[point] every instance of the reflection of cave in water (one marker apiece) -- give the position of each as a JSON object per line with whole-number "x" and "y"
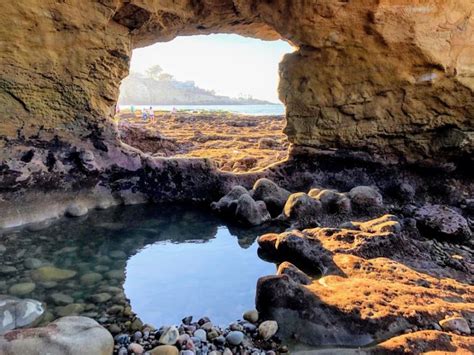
{"x": 184, "y": 250}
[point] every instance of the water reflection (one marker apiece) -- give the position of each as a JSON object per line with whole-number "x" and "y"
{"x": 174, "y": 262}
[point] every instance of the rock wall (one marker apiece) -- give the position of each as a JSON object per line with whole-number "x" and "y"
{"x": 392, "y": 78}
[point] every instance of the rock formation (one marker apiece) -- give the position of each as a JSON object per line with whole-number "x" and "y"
{"x": 381, "y": 79}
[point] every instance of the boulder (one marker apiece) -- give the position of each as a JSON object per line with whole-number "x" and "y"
{"x": 274, "y": 196}
{"x": 251, "y": 212}
{"x": 365, "y": 198}
{"x": 302, "y": 211}
{"x": 65, "y": 336}
{"x": 443, "y": 223}
{"x": 17, "y": 313}
{"x": 332, "y": 201}
{"x": 228, "y": 203}
{"x": 76, "y": 209}
{"x": 455, "y": 324}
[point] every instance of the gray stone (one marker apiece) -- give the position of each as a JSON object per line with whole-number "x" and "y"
{"x": 91, "y": 278}
{"x": 442, "y": 222}
{"x": 332, "y": 201}
{"x": 453, "y": 324}
{"x": 72, "y": 309}
{"x": 69, "y": 335}
{"x": 16, "y": 313}
{"x": 76, "y": 209}
{"x": 32, "y": 263}
{"x": 302, "y": 210}
{"x": 7, "y": 270}
{"x": 201, "y": 334}
{"x": 60, "y": 299}
{"x": 235, "y": 337}
{"x": 100, "y": 297}
{"x": 169, "y": 336}
{"x": 365, "y": 197}
{"x": 274, "y": 196}
{"x": 228, "y": 203}
{"x": 251, "y": 212}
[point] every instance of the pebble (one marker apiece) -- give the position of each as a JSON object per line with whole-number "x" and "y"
{"x": 164, "y": 350}
{"x": 235, "y": 337}
{"x": 207, "y": 326}
{"x": 251, "y": 316}
{"x": 169, "y": 336}
{"x": 91, "y": 278}
{"x": 22, "y": 289}
{"x": 137, "y": 336}
{"x": 268, "y": 329}
{"x": 32, "y": 263}
{"x": 136, "y": 348}
{"x": 100, "y": 297}
{"x": 201, "y": 334}
{"x": 60, "y": 299}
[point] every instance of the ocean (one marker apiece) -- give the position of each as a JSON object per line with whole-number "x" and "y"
{"x": 254, "y": 110}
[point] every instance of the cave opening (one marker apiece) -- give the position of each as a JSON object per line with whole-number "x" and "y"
{"x": 206, "y": 96}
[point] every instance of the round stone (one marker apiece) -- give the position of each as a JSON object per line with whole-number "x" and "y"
{"x": 164, "y": 350}
{"x": 51, "y": 273}
{"x": 32, "y": 263}
{"x": 235, "y": 337}
{"x": 201, "y": 334}
{"x": 76, "y": 210}
{"x": 169, "y": 336}
{"x": 22, "y": 289}
{"x": 268, "y": 329}
{"x": 61, "y": 299}
{"x": 251, "y": 316}
{"x": 136, "y": 348}
{"x": 91, "y": 278}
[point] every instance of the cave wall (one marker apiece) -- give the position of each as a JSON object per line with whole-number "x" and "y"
{"x": 391, "y": 78}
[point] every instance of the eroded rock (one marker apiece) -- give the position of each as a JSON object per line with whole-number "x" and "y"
{"x": 274, "y": 196}
{"x": 302, "y": 210}
{"x": 442, "y": 222}
{"x": 251, "y": 212}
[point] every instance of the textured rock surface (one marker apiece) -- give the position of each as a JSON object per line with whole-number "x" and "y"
{"x": 380, "y": 76}
{"x": 66, "y": 336}
{"x": 375, "y": 284}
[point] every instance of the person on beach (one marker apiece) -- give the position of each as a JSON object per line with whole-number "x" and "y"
{"x": 144, "y": 114}
{"x": 152, "y": 115}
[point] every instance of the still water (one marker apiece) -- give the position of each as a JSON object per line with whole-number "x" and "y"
{"x": 165, "y": 262}
{"x": 254, "y": 110}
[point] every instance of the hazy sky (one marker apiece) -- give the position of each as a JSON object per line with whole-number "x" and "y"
{"x": 229, "y": 64}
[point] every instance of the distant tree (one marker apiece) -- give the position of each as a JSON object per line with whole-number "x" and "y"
{"x": 154, "y": 72}
{"x": 165, "y": 77}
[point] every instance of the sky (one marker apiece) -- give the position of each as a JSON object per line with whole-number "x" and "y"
{"x": 231, "y": 65}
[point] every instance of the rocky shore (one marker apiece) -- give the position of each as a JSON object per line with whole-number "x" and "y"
{"x": 248, "y": 336}
{"x": 235, "y": 142}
